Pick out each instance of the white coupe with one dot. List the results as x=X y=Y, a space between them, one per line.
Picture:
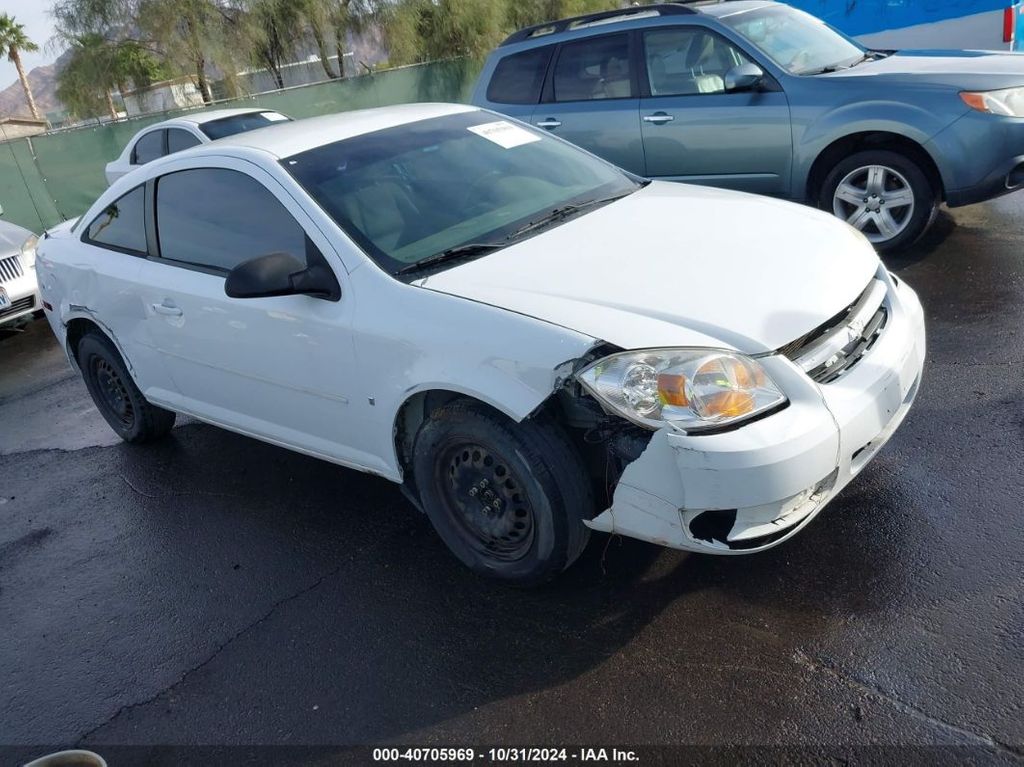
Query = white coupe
x=184 y=132
x=533 y=342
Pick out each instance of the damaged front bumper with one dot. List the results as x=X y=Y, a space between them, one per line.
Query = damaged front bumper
x=749 y=489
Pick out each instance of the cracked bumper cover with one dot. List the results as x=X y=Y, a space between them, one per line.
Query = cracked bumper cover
x=773 y=476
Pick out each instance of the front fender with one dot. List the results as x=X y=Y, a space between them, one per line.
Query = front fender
x=440 y=342
x=909 y=121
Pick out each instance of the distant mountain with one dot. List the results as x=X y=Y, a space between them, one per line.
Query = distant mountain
x=43 y=81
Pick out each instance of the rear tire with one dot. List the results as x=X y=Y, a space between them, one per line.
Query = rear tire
x=884 y=194
x=508 y=499
x=115 y=394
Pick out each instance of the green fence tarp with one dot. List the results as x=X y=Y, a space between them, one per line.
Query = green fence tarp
x=56 y=176
x=23 y=193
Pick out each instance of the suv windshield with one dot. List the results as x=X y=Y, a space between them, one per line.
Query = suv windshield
x=796 y=41
x=452 y=187
x=229 y=126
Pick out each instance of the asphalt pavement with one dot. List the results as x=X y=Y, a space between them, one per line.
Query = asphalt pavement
x=212 y=589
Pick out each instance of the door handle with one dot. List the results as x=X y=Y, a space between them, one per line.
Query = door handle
x=658 y=118
x=167 y=309
x=549 y=123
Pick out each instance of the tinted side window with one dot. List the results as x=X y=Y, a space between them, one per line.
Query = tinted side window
x=220 y=218
x=148 y=148
x=178 y=139
x=597 y=68
x=122 y=224
x=688 y=62
x=518 y=78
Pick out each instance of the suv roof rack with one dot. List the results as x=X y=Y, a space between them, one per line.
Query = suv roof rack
x=593 y=19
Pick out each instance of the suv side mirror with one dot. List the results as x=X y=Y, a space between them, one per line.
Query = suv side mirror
x=745 y=77
x=281 y=274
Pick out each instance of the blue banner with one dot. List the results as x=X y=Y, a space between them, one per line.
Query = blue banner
x=861 y=17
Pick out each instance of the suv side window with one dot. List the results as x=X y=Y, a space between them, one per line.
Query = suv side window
x=688 y=61
x=179 y=139
x=217 y=219
x=122 y=224
x=595 y=68
x=148 y=148
x=519 y=78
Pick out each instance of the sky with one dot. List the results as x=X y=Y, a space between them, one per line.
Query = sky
x=35 y=15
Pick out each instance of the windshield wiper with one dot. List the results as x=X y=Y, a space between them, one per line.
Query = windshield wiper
x=452 y=254
x=482 y=248
x=562 y=212
x=868 y=56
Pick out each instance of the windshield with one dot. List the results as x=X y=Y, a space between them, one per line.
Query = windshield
x=229 y=126
x=796 y=41
x=415 y=191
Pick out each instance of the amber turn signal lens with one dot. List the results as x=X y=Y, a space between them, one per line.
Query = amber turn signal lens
x=975 y=101
x=672 y=390
x=728 y=404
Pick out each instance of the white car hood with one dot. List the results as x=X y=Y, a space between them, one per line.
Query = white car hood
x=12 y=237
x=675 y=264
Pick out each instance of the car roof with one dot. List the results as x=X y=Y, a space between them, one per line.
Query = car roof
x=200 y=118
x=288 y=139
x=552 y=29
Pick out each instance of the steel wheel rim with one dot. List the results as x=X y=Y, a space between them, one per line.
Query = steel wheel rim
x=113 y=392
x=876 y=200
x=486 y=499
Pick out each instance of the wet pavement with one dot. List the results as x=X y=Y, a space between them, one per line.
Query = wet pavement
x=215 y=590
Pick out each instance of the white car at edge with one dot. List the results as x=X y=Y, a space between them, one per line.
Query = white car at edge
x=19 y=293
x=184 y=132
x=533 y=342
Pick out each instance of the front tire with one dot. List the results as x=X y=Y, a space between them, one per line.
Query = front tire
x=884 y=194
x=115 y=394
x=508 y=499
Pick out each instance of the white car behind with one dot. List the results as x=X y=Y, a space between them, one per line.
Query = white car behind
x=534 y=343
x=19 y=291
x=180 y=133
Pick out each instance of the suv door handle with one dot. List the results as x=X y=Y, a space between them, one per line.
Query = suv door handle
x=549 y=123
x=658 y=118
x=167 y=309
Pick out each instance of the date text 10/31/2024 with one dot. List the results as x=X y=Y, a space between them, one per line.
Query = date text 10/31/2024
x=505 y=754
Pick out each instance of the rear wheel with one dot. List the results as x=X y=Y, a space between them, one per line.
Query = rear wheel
x=508 y=499
x=884 y=194
x=115 y=394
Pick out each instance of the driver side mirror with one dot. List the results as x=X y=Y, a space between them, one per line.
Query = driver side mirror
x=745 y=77
x=281 y=274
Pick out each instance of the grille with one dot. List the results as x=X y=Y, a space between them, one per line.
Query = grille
x=21 y=305
x=836 y=346
x=10 y=268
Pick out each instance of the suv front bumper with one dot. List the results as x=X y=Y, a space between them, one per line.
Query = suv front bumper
x=749 y=489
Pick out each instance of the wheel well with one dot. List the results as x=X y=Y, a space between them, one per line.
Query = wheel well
x=76 y=330
x=857 y=142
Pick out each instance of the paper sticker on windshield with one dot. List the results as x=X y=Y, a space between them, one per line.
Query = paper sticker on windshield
x=273 y=117
x=504 y=134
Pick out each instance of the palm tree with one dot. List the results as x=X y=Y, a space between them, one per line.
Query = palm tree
x=14 y=40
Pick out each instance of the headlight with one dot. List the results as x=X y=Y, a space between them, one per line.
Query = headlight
x=1008 y=102
x=692 y=389
x=28 y=252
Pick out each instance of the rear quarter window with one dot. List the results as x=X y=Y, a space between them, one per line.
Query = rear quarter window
x=122 y=224
x=519 y=78
x=148 y=148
